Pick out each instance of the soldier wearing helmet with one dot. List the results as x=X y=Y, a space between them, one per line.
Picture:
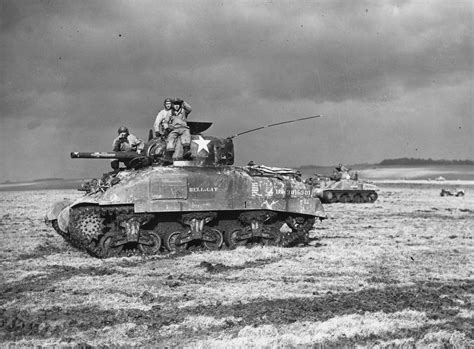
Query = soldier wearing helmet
x=162 y=115
x=126 y=142
x=340 y=172
x=178 y=128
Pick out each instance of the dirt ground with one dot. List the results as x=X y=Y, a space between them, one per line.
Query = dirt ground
x=393 y=273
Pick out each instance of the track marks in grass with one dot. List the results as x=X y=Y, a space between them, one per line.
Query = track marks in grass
x=44 y=249
x=40 y=283
x=221 y=268
x=433 y=298
x=439 y=301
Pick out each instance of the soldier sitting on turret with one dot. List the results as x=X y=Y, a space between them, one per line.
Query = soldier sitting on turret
x=162 y=115
x=125 y=142
x=178 y=128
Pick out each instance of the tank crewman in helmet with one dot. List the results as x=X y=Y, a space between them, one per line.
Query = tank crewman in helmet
x=178 y=127
x=340 y=172
x=162 y=115
x=125 y=142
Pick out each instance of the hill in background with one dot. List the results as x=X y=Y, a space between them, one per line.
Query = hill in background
x=390 y=169
x=417 y=162
x=404 y=168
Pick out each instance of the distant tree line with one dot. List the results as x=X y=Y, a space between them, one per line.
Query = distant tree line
x=429 y=161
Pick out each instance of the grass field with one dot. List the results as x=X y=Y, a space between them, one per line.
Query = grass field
x=396 y=272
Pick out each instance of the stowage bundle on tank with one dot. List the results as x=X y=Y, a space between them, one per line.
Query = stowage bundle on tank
x=203 y=202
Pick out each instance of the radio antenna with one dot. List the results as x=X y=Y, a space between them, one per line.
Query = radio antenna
x=275 y=124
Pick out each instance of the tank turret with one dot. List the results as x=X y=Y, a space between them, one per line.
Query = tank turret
x=205 y=151
x=159 y=204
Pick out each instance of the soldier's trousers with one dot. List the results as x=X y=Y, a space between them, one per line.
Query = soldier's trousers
x=177 y=132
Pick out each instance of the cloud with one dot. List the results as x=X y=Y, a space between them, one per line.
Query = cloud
x=33 y=124
x=82 y=66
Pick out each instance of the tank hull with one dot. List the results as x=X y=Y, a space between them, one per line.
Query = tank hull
x=174 y=208
x=346 y=191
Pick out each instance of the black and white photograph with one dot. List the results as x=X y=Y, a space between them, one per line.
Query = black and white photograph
x=236 y=174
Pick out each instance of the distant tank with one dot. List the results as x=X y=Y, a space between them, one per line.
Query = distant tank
x=343 y=186
x=159 y=204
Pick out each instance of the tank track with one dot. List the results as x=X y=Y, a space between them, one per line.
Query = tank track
x=349 y=196
x=108 y=231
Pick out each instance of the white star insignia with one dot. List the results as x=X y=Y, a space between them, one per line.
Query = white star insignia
x=202 y=144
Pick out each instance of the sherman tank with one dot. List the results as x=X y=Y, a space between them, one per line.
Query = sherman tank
x=158 y=204
x=344 y=187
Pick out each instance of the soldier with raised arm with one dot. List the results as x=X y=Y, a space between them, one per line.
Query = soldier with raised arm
x=177 y=126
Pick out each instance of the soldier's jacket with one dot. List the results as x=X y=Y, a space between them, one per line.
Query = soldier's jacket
x=178 y=118
x=131 y=143
x=160 y=119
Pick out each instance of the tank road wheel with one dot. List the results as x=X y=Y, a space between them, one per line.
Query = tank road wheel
x=344 y=198
x=149 y=242
x=271 y=236
x=372 y=197
x=212 y=239
x=358 y=199
x=108 y=245
x=172 y=242
x=233 y=238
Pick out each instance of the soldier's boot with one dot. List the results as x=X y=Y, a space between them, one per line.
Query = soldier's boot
x=186 y=152
x=168 y=156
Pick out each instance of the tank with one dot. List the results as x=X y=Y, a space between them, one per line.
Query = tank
x=157 y=204
x=343 y=186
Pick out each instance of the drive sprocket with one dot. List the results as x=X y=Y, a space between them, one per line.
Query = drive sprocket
x=86 y=226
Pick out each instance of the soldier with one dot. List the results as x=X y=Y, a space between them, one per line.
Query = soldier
x=125 y=142
x=162 y=115
x=340 y=172
x=178 y=127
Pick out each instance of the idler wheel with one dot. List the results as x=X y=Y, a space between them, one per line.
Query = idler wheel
x=149 y=242
x=234 y=238
x=372 y=197
x=172 y=242
x=212 y=239
x=108 y=245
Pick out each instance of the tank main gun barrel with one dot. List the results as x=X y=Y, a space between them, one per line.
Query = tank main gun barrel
x=120 y=155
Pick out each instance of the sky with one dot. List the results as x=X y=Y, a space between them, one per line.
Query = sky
x=390 y=78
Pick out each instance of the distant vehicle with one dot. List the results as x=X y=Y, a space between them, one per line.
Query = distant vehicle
x=452 y=192
x=440 y=179
x=343 y=186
